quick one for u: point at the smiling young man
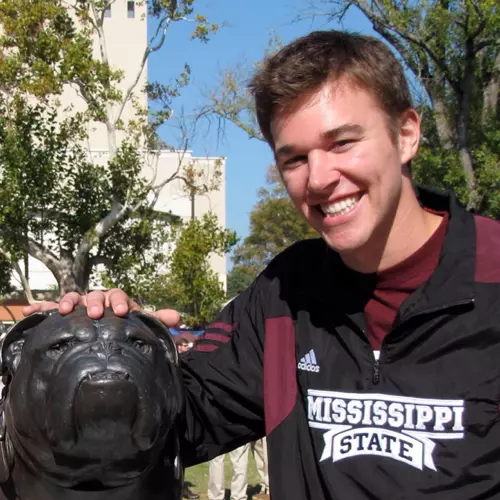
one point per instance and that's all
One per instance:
(369, 356)
(345, 169)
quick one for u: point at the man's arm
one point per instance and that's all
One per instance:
(223, 378)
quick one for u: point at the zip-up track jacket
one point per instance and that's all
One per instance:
(289, 358)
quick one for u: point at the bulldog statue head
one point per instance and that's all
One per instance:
(90, 409)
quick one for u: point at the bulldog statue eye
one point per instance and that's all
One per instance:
(57, 349)
(141, 345)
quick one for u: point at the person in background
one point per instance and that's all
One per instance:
(259, 450)
(183, 345)
(239, 481)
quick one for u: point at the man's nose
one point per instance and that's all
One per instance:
(323, 172)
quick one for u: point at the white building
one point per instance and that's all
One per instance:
(125, 27)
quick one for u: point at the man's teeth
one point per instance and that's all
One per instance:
(340, 207)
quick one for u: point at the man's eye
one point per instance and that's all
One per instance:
(342, 145)
(294, 162)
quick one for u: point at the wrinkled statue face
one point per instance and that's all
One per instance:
(91, 401)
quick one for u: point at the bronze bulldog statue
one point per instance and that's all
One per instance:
(90, 409)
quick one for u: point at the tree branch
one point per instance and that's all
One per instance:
(379, 20)
(149, 49)
(47, 258)
(11, 314)
(110, 123)
(156, 189)
(22, 278)
(24, 282)
(92, 237)
(163, 26)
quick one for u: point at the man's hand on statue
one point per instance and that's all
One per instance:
(96, 301)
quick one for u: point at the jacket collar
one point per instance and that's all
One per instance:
(452, 282)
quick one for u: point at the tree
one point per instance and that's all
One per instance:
(57, 203)
(274, 225)
(197, 182)
(230, 102)
(239, 279)
(452, 49)
(190, 285)
(5, 274)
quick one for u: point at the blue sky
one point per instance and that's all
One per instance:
(249, 24)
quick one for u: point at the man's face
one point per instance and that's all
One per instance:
(182, 347)
(340, 165)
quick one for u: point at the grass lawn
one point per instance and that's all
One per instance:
(197, 478)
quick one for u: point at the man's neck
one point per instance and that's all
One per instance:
(410, 229)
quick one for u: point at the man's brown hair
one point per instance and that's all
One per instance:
(306, 64)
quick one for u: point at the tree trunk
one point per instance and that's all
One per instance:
(69, 283)
(465, 156)
(492, 92)
(462, 127)
(71, 277)
(193, 205)
(444, 130)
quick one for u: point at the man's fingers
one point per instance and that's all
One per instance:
(95, 302)
(65, 305)
(168, 317)
(39, 307)
(70, 301)
(120, 302)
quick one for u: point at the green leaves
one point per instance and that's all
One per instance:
(179, 275)
(191, 284)
(5, 274)
(65, 205)
(239, 279)
(42, 51)
(274, 225)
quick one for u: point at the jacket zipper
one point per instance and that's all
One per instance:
(376, 363)
(376, 372)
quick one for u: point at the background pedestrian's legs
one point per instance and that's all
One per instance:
(259, 449)
(239, 483)
(216, 479)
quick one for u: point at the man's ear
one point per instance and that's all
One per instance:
(163, 334)
(12, 343)
(409, 135)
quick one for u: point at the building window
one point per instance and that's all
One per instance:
(107, 11)
(130, 9)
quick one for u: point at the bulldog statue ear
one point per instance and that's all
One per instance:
(10, 351)
(6, 450)
(13, 341)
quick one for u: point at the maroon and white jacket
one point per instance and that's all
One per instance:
(289, 359)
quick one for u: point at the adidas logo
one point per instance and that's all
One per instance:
(308, 362)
